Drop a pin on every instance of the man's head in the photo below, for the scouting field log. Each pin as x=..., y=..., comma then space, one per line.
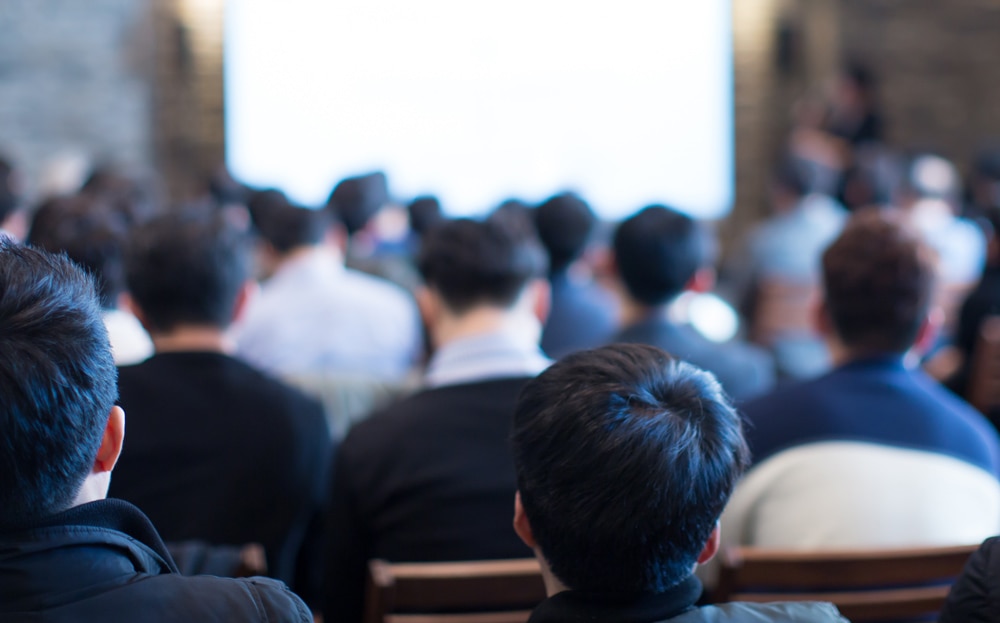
x=90, y=234
x=625, y=459
x=471, y=264
x=355, y=200
x=61, y=430
x=564, y=223
x=285, y=228
x=659, y=252
x=187, y=269
x=878, y=280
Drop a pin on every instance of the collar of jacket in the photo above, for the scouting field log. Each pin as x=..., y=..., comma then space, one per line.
x=574, y=606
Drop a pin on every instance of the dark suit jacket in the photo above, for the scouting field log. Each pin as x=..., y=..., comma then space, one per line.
x=745, y=371
x=582, y=317
x=430, y=478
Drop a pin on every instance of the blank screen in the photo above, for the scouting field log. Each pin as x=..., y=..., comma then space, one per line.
x=626, y=102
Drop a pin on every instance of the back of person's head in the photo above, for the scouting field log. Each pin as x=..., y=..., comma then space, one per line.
x=878, y=280
x=564, y=223
x=793, y=177
x=425, y=213
x=58, y=381
x=285, y=226
x=91, y=234
x=658, y=251
x=187, y=268
x=355, y=200
x=625, y=458
x=472, y=263
x=10, y=199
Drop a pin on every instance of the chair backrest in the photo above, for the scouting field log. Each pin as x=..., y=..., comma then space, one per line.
x=984, y=371
x=493, y=591
x=782, y=308
x=867, y=585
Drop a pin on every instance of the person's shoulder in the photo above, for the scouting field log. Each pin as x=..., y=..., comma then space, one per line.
x=789, y=397
x=776, y=612
x=273, y=394
x=228, y=599
x=973, y=597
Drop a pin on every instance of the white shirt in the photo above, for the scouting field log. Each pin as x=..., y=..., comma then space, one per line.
x=500, y=354
x=129, y=341
x=315, y=316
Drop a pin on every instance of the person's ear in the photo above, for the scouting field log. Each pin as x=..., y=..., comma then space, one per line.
x=246, y=294
x=541, y=294
x=929, y=330
x=430, y=306
x=521, y=525
x=111, y=442
x=711, y=546
x=702, y=281
x=821, y=320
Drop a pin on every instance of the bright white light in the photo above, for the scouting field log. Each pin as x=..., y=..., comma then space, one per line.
x=627, y=102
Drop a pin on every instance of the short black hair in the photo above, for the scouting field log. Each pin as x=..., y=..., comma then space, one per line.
x=793, y=176
x=286, y=226
x=424, y=212
x=625, y=459
x=564, y=223
x=187, y=268
x=658, y=251
x=355, y=200
x=10, y=199
x=878, y=280
x=57, y=378
x=91, y=234
x=472, y=263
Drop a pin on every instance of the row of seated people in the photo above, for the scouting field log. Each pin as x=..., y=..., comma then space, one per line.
x=623, y=458
x=430, y=477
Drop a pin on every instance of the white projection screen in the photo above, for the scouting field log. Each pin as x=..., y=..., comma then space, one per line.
x=626, y=102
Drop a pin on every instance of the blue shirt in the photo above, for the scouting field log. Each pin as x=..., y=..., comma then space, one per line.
x=877, y=400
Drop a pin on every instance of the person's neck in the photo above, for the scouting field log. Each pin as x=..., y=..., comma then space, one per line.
x=482, y=321
x=193, y=339
x=633, y=312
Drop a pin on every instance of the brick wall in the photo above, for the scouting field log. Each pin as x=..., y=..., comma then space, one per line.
x=74, y=78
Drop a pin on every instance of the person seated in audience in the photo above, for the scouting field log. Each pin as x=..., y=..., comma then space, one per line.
x=68, y=554
x=312, y=314
x=973, y=598
x=784, y=251
x=625, y=458
x=873, y=453
x=218, y=451
x=930, y=196
x=430, y=478
x=583, y=315
x=94, y=237
x=658, y=254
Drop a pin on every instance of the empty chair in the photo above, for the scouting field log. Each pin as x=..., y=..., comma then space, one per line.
x=494, y=591
x=866, y=585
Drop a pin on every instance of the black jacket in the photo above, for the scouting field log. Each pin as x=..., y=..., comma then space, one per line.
x=975, y=597
x=104, y=561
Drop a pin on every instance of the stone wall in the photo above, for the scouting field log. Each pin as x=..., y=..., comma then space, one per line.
x=75, y=80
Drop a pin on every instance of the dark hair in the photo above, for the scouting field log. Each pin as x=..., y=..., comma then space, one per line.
x=10, y=199
x=285, y=226
x=187, y=268
x=58, y=381
x=425, y=213
x=472, y=263
x=91, y=234
x=625, y=458
x=355, y=200
x=793, y=176
x=564, y=223
x=878, y=279
x=658, y=251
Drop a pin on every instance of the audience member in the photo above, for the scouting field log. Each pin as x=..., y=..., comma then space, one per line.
x=430, y=478
x=217, y=450
x=583, y=315
x=625, y=458
x=658, y=254
x=66, y=553
x=874, y=453
x=784, y=251
x=94, y=237
x=973, y=598
x=930, y=196
x=313, y=314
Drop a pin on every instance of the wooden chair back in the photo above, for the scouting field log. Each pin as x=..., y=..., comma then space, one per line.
x=866, y=585
x=492, y=591
x=782, y=308
x=984, y=371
